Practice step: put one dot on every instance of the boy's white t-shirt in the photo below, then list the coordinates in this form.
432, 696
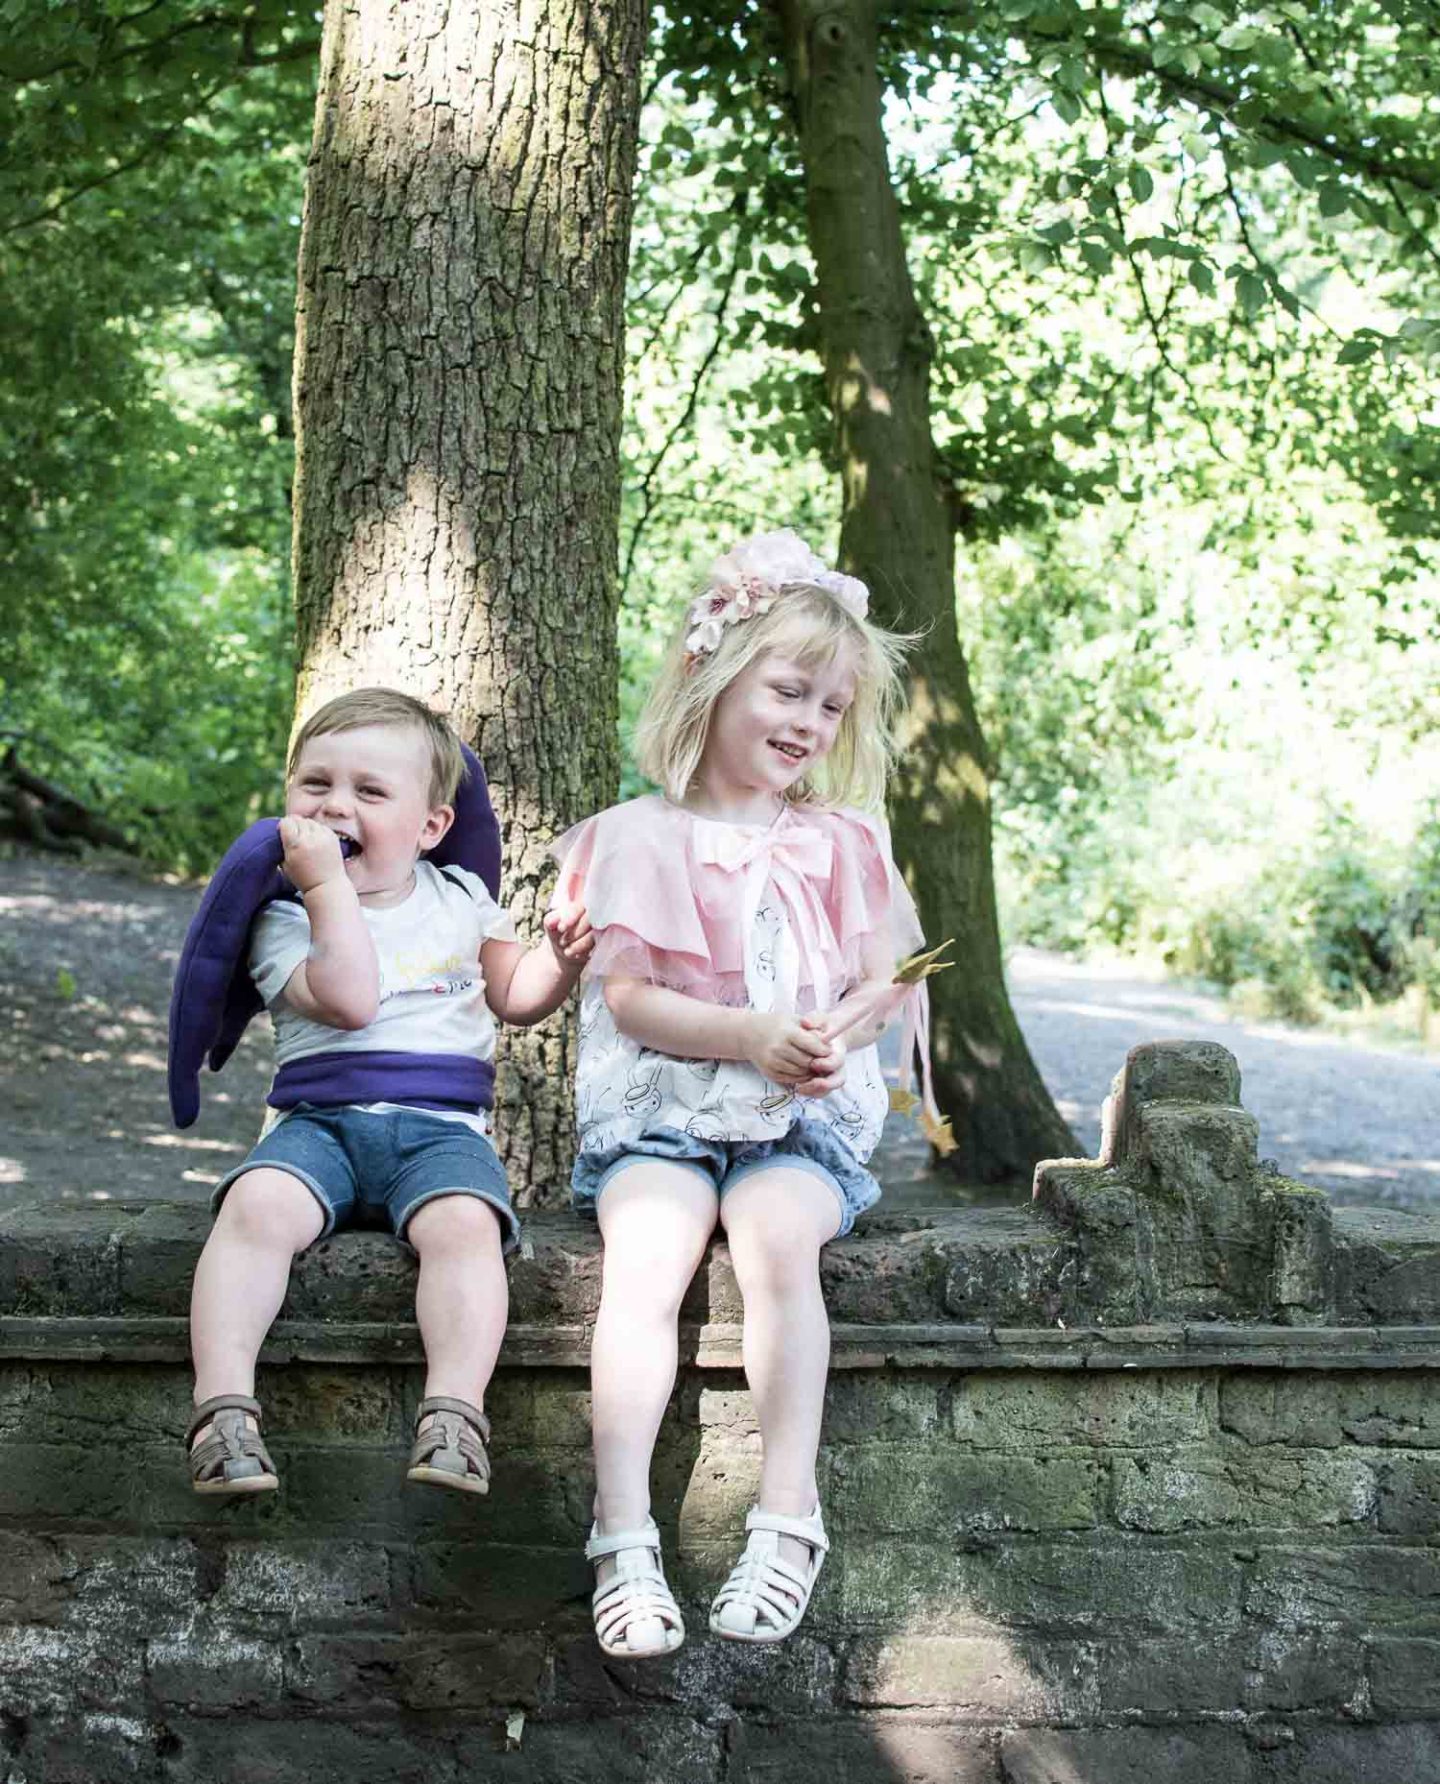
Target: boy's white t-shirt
432, 991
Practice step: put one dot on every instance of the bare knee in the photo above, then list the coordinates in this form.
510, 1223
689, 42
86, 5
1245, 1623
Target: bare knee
645, 1276
455, 1224
778, 1258
271, 1209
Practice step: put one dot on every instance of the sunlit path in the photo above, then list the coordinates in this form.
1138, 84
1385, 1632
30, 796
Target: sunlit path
1359, 1119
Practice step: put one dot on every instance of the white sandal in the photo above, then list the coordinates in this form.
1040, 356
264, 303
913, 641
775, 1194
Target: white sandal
765, 1597
637, 1593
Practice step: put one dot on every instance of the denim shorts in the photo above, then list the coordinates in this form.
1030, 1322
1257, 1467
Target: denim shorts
376, 1167
808, 1146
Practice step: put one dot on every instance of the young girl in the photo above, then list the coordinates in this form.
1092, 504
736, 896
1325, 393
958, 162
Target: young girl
748, 923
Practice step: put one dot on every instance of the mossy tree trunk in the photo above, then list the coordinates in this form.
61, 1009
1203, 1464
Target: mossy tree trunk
458, 364
897, 534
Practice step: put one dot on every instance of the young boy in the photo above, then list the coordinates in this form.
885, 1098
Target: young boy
389, 960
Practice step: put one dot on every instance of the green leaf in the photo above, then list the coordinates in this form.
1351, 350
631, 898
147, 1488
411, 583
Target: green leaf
1066, 105
1096, 256
1252, 291
1333, 198
1141, 184
1357, 350
65, 984
1057, 232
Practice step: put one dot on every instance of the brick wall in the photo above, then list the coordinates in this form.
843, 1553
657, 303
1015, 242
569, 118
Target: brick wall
1091, 1548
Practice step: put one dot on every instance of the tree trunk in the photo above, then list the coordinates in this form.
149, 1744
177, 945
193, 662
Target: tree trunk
458, 363
897, 535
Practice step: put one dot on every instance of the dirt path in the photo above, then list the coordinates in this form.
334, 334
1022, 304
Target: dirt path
1362, 1121
86, 956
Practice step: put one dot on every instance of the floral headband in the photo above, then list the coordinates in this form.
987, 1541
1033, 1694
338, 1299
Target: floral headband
748, 579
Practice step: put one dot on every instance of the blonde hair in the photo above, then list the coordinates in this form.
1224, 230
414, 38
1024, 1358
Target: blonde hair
808, 625
388, 706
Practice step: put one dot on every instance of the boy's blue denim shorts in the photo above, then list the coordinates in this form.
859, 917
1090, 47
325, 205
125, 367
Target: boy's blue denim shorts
377, 1167
809, 1146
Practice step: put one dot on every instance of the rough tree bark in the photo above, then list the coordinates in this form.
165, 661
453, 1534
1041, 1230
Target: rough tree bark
458, 362
898, 536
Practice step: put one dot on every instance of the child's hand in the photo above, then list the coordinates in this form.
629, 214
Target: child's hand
865, 1014
570, 935
784, 1049
312, 853
827, 1073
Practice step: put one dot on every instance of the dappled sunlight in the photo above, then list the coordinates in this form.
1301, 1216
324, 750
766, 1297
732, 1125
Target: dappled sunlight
11, 1170
421, 542
857, 385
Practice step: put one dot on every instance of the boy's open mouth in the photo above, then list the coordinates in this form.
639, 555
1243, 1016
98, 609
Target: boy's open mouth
348, 845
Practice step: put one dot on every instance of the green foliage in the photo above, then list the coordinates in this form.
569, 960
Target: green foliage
1218, 762
149, 208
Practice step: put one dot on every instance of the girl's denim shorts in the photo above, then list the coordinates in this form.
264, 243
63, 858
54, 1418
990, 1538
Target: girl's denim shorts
809, 1146
368, 1167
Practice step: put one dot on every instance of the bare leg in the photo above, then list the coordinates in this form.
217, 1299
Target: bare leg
240, 1280
776, 1222
655, 1218
462, 1298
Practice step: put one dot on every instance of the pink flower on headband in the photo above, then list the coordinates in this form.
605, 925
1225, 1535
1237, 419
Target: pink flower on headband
748, 578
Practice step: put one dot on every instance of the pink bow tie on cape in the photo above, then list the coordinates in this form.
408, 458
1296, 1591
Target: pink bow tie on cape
791, 856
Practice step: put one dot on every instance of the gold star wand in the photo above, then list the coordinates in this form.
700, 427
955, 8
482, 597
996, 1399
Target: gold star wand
911, 971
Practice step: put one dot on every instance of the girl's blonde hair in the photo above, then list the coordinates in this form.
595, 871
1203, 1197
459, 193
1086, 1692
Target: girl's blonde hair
809, 626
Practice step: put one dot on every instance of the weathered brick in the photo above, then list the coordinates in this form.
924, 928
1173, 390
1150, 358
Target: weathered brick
1127, 1756
207, 1667
1308, 1491
1408, 1753
1171, 1493
301, 1750
301, 1581
1269, 1407
1405, 1676
1390, 1410
653, 1748
1197, 1488
60, 1671
36, 1582
500, 1584
795, 1679
559, 1418
851, 1752
976, 1677
899, 1490
1020, 1412
1252, 1671
863, 1408
414, 1670
1410, 1497
1063, 1588
335, 1406
1350, 1586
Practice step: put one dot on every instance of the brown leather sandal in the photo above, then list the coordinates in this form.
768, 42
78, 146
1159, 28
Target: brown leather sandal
232, 1459
450, 1451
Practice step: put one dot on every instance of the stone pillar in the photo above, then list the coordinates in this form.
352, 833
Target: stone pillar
1178, 1218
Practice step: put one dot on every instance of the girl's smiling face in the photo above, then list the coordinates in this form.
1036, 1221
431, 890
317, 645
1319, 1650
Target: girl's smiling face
775, 722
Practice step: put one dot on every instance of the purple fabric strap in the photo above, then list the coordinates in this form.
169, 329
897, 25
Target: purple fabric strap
423, 1080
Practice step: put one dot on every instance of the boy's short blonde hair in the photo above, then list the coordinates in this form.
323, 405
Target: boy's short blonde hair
807, 624
388, 706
